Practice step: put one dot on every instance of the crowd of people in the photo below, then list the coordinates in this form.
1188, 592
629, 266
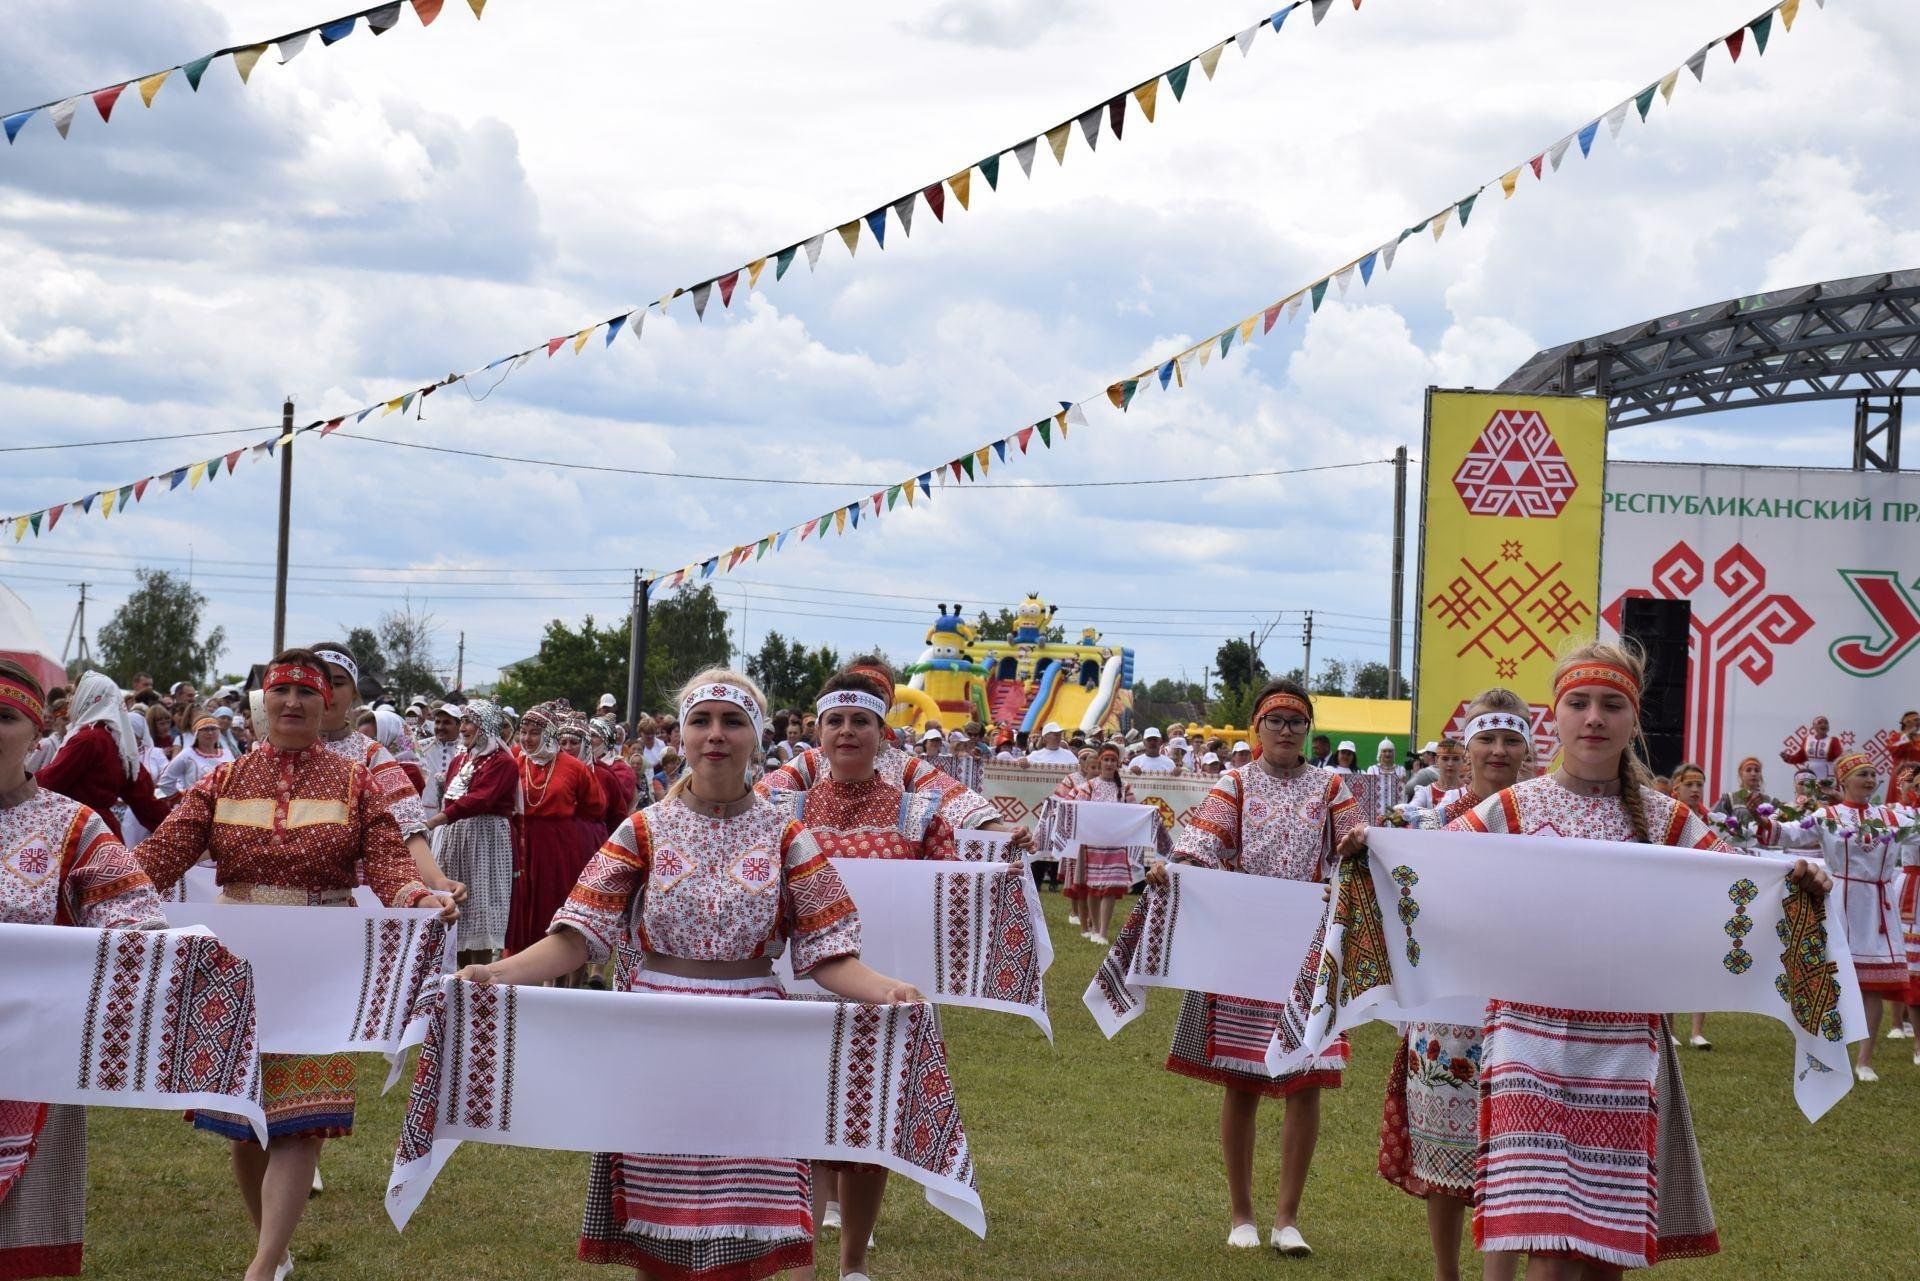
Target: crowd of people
685, 858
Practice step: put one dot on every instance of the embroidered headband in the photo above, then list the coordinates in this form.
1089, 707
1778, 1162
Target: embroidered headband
1749, 760
1849, 765
340, 660
1488, 722
1610, 675
302, 675
1281, 701
721, 693
881, 676
24, 699
1110, 750
854, 698
205, 722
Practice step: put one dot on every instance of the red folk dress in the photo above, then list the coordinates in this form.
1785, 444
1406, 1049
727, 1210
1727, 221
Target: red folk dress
88, 769
60, 864
677, 883
559, 799
288, 829
959, 805
872, 819
1586, 1138
1262, 824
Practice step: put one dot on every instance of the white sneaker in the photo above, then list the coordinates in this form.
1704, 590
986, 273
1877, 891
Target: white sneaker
318, 1186
1898, 1033
1073, 918
853, 1276
1700, 1043
830, 1217
1289, 1242
285, 1269
1244, 1237
1864, 1073
1102, 940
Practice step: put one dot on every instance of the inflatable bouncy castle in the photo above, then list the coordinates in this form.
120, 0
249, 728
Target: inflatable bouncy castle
1022, 682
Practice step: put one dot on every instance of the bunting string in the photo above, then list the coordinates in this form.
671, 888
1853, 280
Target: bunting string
380, 19
1175, 369
960, 186
1167, 373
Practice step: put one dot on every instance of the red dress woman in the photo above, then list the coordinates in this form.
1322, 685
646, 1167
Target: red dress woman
557, 792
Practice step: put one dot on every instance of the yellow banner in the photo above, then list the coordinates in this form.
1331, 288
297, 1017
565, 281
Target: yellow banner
1510, 549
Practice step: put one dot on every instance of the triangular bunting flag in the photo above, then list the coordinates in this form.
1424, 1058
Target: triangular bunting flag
173, 481
701, 292
1320, 8
1466, 208
955, 465
1616, 118
1735, 41
614, 327
1697, 64
937, 201
14, 123
427, 10
1279, 17
840, 521
1044, 427
53, 515
384, 19
1509, 181
907, 488
893, 496
1643, 101
1057, 139
476, 6
1536, 161
877, 223
729, 281
213, 470
1341, 279
1789, 10
850, 236
1166, 375
1386, 252
1121, 393
926, 484
291, 46
140, 488
784, 260
1090, 128
34, 521
1177, 80
706, 570
1667, 84
962, 186
813, 250
765, 543
903, 210
780, 543
332, 426
1146, 95
1366, 272
876, 498
1000, 448
1587, 136
1071, 413
243, 60
1762, 27
62, 113
853, 510
1245, 38
195, 70
1117, 114
392, 407
1024, 154
1319, 294
754, 269
990, 170
1246, 329
149, 87
194, 473
103, 100
233, 461
1024, 435
86, 504
579, 341
553, 345
1439, 222
984, 459
966, 461
107, 497
1558, 151
336, 31
1207, 349
1211, 59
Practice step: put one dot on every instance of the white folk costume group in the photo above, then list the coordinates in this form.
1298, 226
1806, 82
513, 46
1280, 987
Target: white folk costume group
1565, 1131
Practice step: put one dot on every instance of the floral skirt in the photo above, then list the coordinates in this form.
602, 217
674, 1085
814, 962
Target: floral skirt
699, 1218
1430, 1126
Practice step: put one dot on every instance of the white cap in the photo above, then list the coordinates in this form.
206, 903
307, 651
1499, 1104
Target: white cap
1178, 740
223, 713
1052, 727
933, 735
1210, 759
1346, 745
1241, 746
1152, 732
450, 709
510, 712
1431, 747
956, 736
607, 700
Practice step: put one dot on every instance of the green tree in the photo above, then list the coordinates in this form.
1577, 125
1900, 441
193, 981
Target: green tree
1238, 666
686, 632
368, 652
156, 632
789, 673
1332, 679
406, 640
1370, 681
1171, 691
999, 626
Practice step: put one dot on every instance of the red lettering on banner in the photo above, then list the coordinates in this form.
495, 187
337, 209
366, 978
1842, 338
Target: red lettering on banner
1893, 608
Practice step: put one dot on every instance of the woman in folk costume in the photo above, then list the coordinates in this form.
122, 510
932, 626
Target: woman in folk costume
557, 793
62, 865
1815, 751
961, 807
338, 736
437, 753
1275, 816
689, 881
198, 759
855, 812
1864, 845
618, 783
1592, 1180
1076, 786
1749, 795
1689, 787
1103, 875
289, 824
99, 763
390, 732
1430, 1131
1450, 764
1904, 793
474, 833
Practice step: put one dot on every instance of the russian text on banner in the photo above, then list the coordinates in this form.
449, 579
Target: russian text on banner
1436, 918
1208, 931
963, 933
810, 1080
128, 1019
335, 981
1510, 562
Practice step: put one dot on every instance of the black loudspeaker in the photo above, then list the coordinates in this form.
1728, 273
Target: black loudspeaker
1662, 628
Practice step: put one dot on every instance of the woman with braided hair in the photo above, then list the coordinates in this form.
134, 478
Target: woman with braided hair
1586, 1159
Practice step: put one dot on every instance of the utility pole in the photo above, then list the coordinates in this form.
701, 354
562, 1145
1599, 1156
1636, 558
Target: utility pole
1307, 634
286, 519
78, 627
460, 663
1397, 605
637, 649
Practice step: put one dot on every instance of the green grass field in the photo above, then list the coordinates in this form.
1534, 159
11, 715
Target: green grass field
1093, 1163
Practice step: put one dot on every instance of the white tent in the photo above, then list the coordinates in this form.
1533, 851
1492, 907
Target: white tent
22, 640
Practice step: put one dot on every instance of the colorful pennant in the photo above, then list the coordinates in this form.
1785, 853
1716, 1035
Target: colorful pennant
380, 19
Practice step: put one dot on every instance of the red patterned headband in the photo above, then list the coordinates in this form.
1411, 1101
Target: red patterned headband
24, 699
1611, 675
1281, 701
302, 675
1849, 765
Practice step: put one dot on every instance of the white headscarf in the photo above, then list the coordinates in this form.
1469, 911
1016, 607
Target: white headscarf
391, 733
96, 701
491, 724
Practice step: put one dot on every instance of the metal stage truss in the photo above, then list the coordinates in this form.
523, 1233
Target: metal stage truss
1856, 339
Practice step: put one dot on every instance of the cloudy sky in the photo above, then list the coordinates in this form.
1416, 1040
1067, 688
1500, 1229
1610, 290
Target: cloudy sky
375, 215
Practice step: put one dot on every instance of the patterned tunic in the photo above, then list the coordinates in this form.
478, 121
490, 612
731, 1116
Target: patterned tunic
1104, 872
1586, 1140
1430, 1125
961, 807
436, 762
60, 864
1286, 827
88, 768
290, 829
681, 884
872, 819
1864, 876
476, 848
391, 781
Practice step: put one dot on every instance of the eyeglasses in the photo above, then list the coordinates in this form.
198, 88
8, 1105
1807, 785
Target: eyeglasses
1286, 724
